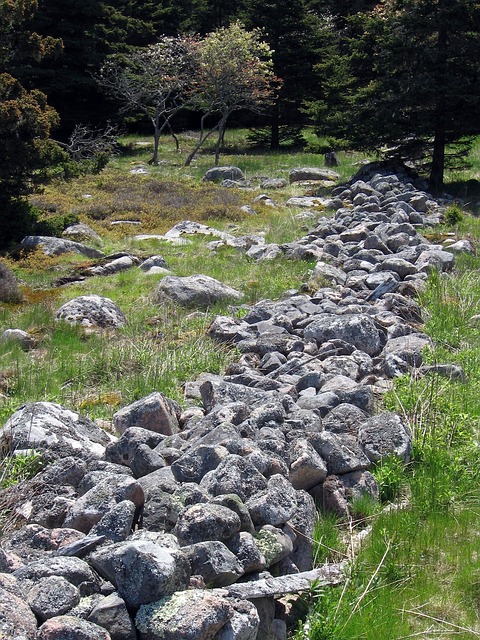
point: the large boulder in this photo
(142, 571)
(358, 330)
(312, 173)
(92, 311)
(189, 615)
(197, 290)
(154, 412)
(218, 174)
(56, 246)
(54, 430)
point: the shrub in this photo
(9, 290)
(54, 225)
(453, 215)
(17, 220)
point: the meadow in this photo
(417, 573)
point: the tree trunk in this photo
(201, 140)
(438, 158)
(275, 128)
(221, 134)
(156, 136)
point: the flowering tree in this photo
(234, 72)
(155, 80)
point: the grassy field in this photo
(418, 573)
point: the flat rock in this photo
(218, 174)
(196, 290)
(54, 430)
(312, 173)
(56, 246)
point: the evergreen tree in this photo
(294, 33)
(25, 120)
(412, 83)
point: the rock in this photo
(273, 183)
(243, 625)
(90, 508)
(275, 505)
(273, 544)
(217, 174)
(312, 173)
(202, 522)
(77, 572)
(189, 615)
(24, 339)
(142, 571)
(53, 430)
(56, 246)
(111, 614)
(117, 523)
(435, 259)
(113, 266)
(358, 330)
(325, 275)
(307, 468)
(154, 412)
(245, 549)
(197, 290)
(341, 453)
(81, 232)
(235, 475)
(71, 628)
(212, 560)
(195, 463)
(385, 435)
(92, 311)
(52, 596)
(17, 620)
(152, 262)
(309, 202)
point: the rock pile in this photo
(175, 528)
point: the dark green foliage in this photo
(405, 81)
(9, 291)
(54, 225)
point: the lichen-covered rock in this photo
(112, 614)
(358, 330)
(189, 615)
(53, 430)
(142, 571)
(52, 596)
(202, 522)
(385, 435)
(17, 620)
(212, 560)
(154, 412)
(92, 311)
(71, 628)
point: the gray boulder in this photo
(17, 620)
(111, 613)
(245, 549)
(54, 430)
(154, 412)
(189, 615)
(195, 463)
(275, 505)
(71, 628)
(312, 173)
(358, 330)
(307, 468)
(273, 544)
(196, 290)
(244, 623)
(212, 560)
(235, 475)
(217, 174)
(56, 246)
(113, 266)
(89, 509)
(153, 571)
(76, 571)
(92, 311)
(23, 338)
(81, 232)
(202, 522)
(385, 435)
(52, 596)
